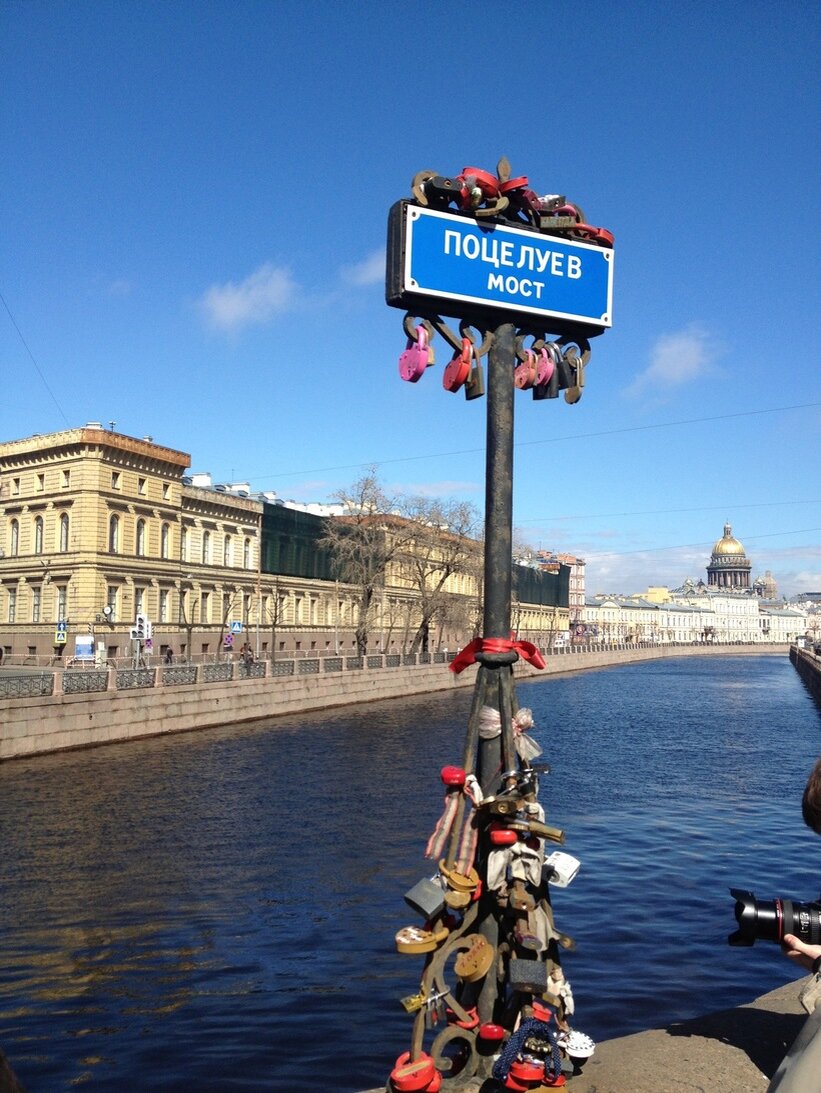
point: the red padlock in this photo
(525, 374)
(471, 1023)
(500, 835)
(516, 1085)
(493, 1034)
(435, 1085)
(415, 359)
(412, 1077)
(525, 1071)
(453, 777)
(458, 370)
(601, 236)
(487, 183)
(512, 184)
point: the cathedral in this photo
(729, 566)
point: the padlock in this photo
(458, 370)
(550, 389)
(474, 963)
(413, 940)
(412, 1077)
(527, 1070)
(416, 358)
(471, 1023)
(453, 777)
(564, 371)
(427, 897)
(527, 975)
(412, 1003)
(545, 367)
(461, 882)
(493, 1034)
(484, 180)
(501, 835)
(524, 375)
(475, 383)
(574, 392)
(457, 901)
(516, 1086)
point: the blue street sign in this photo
(459, 260)
(236, 627)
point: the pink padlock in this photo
(545, 366)
(525, 374)
(415, 359)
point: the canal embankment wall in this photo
(808, 666)
(86, 708)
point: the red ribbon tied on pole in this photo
(526, 650)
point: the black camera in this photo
(769, 920)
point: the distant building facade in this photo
(97, 528)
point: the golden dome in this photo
(728, 545)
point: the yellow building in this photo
(97, 528)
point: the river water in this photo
(216, 911)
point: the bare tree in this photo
(363, 542)
(442, 545)
(273, 612)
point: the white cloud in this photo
(675, 359)
(266, 292)
(370, 271)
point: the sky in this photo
(195, 197)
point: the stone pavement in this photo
(731, 1051)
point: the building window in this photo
(36, 599)
(38, 535)
(227, 551)
(139, 542)
(165, 540)
(62, 601)
(139, 601)
(15, 487)
(163, 605)
(141, 487)
(66, 479)
(166, 491)
(115, 480)
(205, 607)
(111, 599)
(246, 554)
(206, 548)
(41, 483)
(14, 538)
(12, 613)
(64, 533)
(184, 544)
(114, 535)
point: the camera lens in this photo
(770, 920)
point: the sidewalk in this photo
(731, 1051)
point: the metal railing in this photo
(42, 683)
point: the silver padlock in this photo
(427, 897)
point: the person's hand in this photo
(801, 953)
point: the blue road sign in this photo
(455, 258)
(236, 627)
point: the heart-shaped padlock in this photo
(458, 369)
(416, 358)
(545, 367)
(525, 374)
